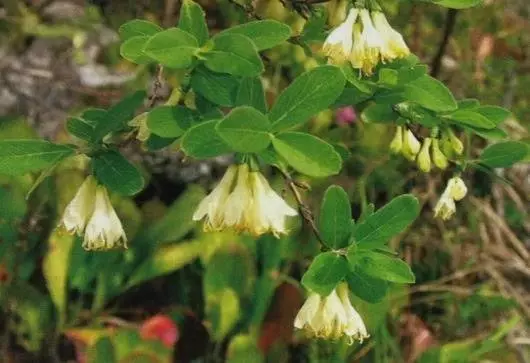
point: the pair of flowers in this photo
(91, 213)
(364, 39)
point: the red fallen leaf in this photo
(278, 324)
(160, 327)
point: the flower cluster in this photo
(454, 191)
(244, 200)
(432, 151)
(331, 317)
(364, 39)
(91, 213)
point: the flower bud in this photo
(140, 123)
(437, 155)
(411, 145)
(457, 187)
(424, 159)
(456, 144)
(397, 142)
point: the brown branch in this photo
(450, 22)
(305, 211)
(157, 85)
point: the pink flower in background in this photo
(160, 327)
(345, 116)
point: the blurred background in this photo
(182, 295)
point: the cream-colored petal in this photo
(79, 210)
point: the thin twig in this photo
(157, 85)
(305, 211)
(450, 22)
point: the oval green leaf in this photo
(325, 273)
(245, 129)
(308, 154)
(117, 173)
(173, 48)
(202, 141)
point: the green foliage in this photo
(335, 220)
(117, 174)
(325, 273)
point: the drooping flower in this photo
(396, 145)
(269, 210)
(424, 157)
(79, 210)
(212, 207)
(393, 44)
(411, 145)
(104, 230)
(244, 201)
(338, 44)
(367, 45)
(451, 144)
(454, 191)
(331, 317)
(440, 160)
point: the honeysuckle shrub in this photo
(218, 107)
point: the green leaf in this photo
(55, 269)
(387, 222)
(308, 154)
(192, 20)
(243, 349)
(223, 311)
(431, 94)
(245, 129)
(218, 88)
(350, 96)
(138, 28)
(495, 134)
(81, 128)
(251, 93)
(164, 260)
(230, 267)
(361, 84)
(117, 174)
(335, 220)
(264, 34)
(471, 118)
(379, 113)
(381, 266)
(458, 4)
(177, 221)
(309, 94)
(234, 54)
(495, 114)
(18, 157)
(388, 77)
(504, 154)
(173, 48)
(102, 351)
(325, 273)
(165, 121)
(133, 50)
(366, 287)
(468, 103)
(203, 142)
(125, 109)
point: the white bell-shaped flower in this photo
(338, 44)
(411, 145)
(355, 328)
(104, 230)
(331, 317)
(244, 201)
(212, 208)
(394, 45)
(269, 211)
(456, 190)
(79, 210)
(366, 51)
